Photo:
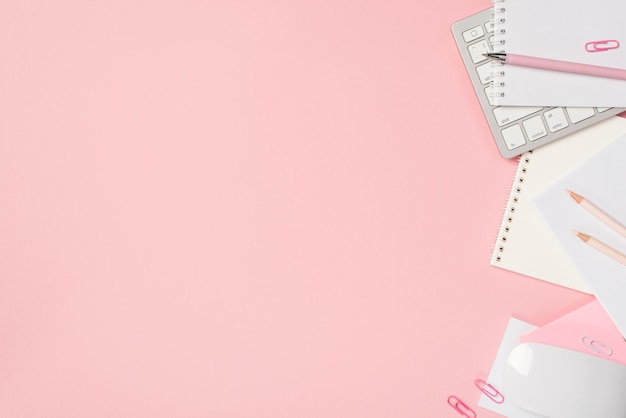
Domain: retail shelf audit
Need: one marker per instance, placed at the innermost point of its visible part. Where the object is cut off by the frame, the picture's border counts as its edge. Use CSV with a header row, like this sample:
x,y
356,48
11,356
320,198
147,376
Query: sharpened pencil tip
x,y
578,198
580,235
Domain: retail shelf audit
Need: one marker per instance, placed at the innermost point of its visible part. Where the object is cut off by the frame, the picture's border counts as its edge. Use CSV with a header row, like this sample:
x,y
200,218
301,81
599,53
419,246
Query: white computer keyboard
x,y
516,129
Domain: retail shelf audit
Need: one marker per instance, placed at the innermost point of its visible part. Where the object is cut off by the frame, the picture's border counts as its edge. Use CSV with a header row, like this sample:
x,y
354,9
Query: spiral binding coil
x,y
497,45
514,197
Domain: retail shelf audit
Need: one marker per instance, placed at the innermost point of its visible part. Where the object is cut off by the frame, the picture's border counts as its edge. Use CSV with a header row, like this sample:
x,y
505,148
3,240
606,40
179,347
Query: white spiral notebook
x,y
525,244
565,30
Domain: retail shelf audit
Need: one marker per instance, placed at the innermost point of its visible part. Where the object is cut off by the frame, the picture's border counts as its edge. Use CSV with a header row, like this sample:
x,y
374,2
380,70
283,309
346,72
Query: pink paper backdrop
x,y
247,209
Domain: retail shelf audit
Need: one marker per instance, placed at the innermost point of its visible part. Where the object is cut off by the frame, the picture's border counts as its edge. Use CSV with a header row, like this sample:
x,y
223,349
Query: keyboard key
x,y
473,34
535,128
513,137
576,114
490,26
603,109
556,119
485,73
489,93
477,50
507,114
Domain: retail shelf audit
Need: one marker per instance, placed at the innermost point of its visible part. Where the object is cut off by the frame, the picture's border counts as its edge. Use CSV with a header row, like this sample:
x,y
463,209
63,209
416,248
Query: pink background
x,y
247,209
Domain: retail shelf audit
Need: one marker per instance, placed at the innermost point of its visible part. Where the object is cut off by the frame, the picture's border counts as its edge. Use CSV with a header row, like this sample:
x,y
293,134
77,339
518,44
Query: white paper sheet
x,y
602,180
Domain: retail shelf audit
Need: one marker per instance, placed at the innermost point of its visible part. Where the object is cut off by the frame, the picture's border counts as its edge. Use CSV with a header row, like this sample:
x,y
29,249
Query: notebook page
x,y
559,29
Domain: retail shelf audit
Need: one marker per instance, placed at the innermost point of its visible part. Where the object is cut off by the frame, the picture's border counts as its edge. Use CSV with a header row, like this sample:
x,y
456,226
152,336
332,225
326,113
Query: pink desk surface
x,y
247,209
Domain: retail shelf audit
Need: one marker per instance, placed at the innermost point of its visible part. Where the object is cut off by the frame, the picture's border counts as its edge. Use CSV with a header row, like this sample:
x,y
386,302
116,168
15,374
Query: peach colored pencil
x,y
602,247
598,213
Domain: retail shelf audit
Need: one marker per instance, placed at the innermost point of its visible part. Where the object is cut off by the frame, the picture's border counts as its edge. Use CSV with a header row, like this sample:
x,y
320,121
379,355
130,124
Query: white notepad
x,y
559,29
602,180
511,338
525,244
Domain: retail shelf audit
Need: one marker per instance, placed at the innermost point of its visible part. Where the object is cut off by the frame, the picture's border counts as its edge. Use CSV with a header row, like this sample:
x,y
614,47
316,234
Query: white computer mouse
x,y
560,383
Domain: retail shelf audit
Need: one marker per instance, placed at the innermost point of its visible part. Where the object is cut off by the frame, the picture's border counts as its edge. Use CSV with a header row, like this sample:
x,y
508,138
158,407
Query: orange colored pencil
x,y
602,247
598,213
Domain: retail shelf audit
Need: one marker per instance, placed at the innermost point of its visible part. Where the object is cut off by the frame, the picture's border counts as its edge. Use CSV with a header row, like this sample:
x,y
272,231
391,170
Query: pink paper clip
x,y
597,46
461,407
597,346
491,392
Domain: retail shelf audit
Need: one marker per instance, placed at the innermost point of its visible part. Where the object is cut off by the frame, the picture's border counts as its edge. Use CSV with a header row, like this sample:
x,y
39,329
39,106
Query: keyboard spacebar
x,y
507,114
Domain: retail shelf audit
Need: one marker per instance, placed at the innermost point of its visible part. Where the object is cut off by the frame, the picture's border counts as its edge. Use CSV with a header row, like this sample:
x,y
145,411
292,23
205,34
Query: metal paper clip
x,y
597,346
597,46
461,407
491,392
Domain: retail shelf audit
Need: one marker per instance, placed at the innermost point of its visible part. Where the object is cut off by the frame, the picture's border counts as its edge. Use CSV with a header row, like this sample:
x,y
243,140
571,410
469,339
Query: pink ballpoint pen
x,y
554,65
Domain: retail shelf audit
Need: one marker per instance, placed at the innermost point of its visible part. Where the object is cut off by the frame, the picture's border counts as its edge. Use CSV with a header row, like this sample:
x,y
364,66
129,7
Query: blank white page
x,y
602,180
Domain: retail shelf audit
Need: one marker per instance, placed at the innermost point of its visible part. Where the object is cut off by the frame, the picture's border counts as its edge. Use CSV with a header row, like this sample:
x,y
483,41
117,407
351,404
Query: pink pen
x,y
554,65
